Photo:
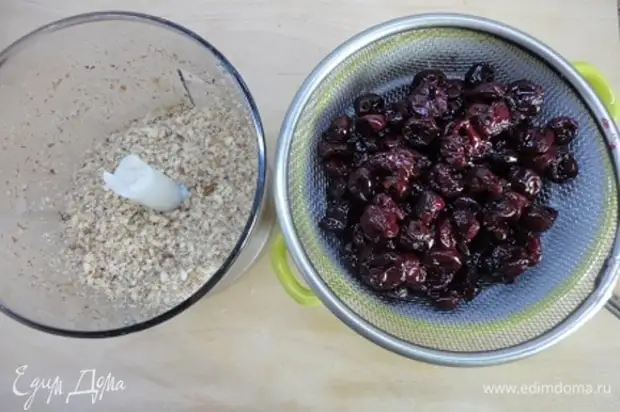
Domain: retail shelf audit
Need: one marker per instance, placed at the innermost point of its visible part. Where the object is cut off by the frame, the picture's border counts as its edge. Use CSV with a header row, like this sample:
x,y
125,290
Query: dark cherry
x,y
357,236
496,120
420,132
349,252
540,163
487,92
564,128
336,168
514,264
428,206
463,145
416,189
479,73
466,203
466,281
533,246
370,124
414,272
482,180
526,97
361,184
445,180
534,140
492,259
331,224
508,208
502,155
401,293
466,224
563,168
445,233
470,291
415,236
525,181
448,300
477,109
476,146
427,100
389,270
437,281
406,206
370,103
406,163
517,201
538,218
496,226
359,159
430,77
367,144
379,223
337,188
336,216
443,260
396,186
456,100
396,115
454,149
392,141
384,259
328,150
455,88
387,203
338,209
455,107
384,278
387,244
339,130
366,255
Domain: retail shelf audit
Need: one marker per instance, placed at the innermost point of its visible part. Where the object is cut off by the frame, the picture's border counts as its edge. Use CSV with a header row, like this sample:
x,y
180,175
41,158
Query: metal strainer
x,y
506,322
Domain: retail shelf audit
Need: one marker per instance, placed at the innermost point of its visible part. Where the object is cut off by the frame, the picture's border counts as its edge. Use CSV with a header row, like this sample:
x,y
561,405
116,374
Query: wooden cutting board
x,y
251,348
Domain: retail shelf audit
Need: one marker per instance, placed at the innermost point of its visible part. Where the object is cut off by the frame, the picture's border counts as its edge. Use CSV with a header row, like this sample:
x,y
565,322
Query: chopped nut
x,y
152,260
209,188
183,275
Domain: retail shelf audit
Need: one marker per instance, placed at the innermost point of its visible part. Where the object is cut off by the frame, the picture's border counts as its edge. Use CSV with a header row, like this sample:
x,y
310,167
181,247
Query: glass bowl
x,y
64,89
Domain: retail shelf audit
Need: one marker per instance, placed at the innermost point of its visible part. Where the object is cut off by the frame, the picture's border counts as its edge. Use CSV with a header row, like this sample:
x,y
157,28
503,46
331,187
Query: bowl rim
x,y
259,194
608,275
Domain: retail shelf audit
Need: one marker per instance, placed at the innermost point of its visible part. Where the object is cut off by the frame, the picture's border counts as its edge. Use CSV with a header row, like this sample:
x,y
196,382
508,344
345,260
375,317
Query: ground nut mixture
x,y
153,259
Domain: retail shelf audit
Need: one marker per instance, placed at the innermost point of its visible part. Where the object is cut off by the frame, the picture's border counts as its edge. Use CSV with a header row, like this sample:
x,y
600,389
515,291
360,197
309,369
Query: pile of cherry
x,y
436,195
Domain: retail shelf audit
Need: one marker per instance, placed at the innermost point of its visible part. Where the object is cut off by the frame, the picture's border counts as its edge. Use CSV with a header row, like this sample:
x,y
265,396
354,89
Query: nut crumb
x,y
154,260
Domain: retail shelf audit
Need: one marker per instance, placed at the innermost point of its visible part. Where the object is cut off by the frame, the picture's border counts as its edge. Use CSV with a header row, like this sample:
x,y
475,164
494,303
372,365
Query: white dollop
x,y
135,180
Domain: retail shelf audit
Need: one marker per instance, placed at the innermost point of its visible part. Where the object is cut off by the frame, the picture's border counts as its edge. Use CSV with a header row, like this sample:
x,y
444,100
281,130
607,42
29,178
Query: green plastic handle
x,y
601,86
301,294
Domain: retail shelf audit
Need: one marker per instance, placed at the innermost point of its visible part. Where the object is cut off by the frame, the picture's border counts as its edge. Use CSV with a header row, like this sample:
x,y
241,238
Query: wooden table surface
x,y
251,348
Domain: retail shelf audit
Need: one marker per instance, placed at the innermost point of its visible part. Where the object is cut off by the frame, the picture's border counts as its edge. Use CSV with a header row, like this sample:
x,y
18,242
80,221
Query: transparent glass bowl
x,y
63,87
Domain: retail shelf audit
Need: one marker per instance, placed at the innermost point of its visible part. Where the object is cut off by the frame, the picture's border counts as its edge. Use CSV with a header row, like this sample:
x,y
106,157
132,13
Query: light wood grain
x,y
250,348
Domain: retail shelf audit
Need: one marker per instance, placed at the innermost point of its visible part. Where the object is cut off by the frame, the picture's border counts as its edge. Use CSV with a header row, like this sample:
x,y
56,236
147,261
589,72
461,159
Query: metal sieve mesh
x,y
575,250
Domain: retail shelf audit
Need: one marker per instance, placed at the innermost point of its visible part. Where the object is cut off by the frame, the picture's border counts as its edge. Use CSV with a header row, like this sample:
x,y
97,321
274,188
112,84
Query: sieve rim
x,y
260,191
608,274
